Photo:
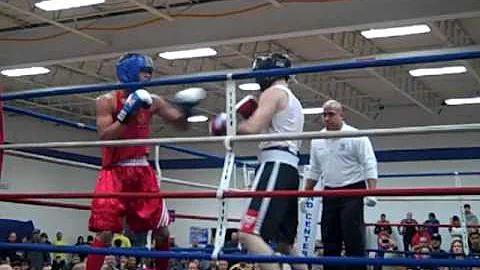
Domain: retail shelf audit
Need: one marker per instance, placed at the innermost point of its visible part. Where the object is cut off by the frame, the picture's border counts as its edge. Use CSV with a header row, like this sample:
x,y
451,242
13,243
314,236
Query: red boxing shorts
x,y
142,214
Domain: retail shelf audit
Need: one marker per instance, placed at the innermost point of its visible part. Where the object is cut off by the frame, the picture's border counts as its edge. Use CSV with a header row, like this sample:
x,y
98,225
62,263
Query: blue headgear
x,y
270,61
130,66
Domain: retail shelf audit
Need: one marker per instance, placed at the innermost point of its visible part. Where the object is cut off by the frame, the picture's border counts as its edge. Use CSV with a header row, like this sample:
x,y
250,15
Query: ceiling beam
x,y
354,44
453,34
52,22
317,18
50,102
275,3
152,10
102,78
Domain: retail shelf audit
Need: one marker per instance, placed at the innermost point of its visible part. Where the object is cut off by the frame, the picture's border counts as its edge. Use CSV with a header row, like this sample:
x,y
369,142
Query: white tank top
x,y
289,120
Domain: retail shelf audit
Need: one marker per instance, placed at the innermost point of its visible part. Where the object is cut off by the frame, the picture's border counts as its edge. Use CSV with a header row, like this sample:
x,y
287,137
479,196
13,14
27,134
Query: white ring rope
x,y
257,137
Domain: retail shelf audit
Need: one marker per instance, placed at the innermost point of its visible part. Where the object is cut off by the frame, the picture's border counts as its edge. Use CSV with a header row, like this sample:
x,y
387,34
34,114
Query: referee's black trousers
x,y
343,222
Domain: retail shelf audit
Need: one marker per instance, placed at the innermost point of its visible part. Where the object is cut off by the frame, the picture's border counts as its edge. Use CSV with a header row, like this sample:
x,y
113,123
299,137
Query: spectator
x,y
80,241
432,220
11,255
89,240
37,259
59,242
474,243
383,225
385,243
422,242
110,263
437,251
470,217
117,243
456,230
422,232
193,265
234,242
223,265
76,259
212,265
44,240
125,241
421,254
456,249
59,263
122,265
407,229
132,263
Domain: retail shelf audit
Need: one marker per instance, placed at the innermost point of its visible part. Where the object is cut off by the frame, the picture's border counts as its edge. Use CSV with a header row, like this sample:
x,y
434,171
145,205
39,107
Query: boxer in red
x,y
127,114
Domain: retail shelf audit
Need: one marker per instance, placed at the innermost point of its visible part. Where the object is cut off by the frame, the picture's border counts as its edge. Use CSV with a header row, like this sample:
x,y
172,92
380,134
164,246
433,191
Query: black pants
x,y
343,222
274,219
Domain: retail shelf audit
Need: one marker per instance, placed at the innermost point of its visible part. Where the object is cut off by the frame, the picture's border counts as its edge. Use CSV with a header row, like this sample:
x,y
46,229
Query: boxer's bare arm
x,y
107,127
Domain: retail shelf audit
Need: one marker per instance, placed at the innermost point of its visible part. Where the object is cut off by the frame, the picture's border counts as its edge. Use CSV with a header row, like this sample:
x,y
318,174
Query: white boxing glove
x,y
189,98
370,201
145,96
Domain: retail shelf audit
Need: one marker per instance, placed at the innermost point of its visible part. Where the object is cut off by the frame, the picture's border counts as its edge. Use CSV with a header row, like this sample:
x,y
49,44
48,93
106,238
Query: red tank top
x,y
138,127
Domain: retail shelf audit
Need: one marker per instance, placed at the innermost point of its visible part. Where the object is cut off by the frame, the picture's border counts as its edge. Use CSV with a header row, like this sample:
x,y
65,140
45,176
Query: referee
x,y
342,163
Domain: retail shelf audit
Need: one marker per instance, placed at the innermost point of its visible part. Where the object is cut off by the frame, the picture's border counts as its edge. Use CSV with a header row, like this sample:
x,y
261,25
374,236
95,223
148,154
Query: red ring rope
x,y
426,191
51,204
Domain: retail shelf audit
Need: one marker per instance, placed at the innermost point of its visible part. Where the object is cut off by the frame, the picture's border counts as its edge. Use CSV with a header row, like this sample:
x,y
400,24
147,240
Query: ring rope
x,y
426,191
394,59
347,261
211,218
255,137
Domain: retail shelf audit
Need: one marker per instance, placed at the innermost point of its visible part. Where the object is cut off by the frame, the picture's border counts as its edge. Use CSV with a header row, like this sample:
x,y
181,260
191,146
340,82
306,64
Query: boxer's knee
x,y
242,237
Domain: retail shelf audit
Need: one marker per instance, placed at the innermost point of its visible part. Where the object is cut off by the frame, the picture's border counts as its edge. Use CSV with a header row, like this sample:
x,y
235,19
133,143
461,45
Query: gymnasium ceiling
x,y
80,46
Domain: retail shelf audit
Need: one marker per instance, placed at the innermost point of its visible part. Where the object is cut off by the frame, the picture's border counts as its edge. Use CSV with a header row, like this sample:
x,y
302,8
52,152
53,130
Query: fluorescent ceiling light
x,y
18,72
462,101
249,86
396,31
51,5
318,110
197,119
437,71
202,52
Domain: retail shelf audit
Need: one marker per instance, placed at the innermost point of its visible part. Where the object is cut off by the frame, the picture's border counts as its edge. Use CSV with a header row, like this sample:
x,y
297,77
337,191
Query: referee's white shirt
x,y
342,161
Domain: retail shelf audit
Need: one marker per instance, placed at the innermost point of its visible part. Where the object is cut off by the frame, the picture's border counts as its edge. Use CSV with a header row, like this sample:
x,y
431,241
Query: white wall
x,y
25,175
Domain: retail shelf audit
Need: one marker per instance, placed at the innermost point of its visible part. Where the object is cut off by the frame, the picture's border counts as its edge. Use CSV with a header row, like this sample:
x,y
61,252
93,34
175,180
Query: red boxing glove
x,y
247,106
218,125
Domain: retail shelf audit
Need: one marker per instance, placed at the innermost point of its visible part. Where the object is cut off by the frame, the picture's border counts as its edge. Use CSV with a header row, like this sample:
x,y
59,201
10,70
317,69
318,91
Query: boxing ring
x,y
224,192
